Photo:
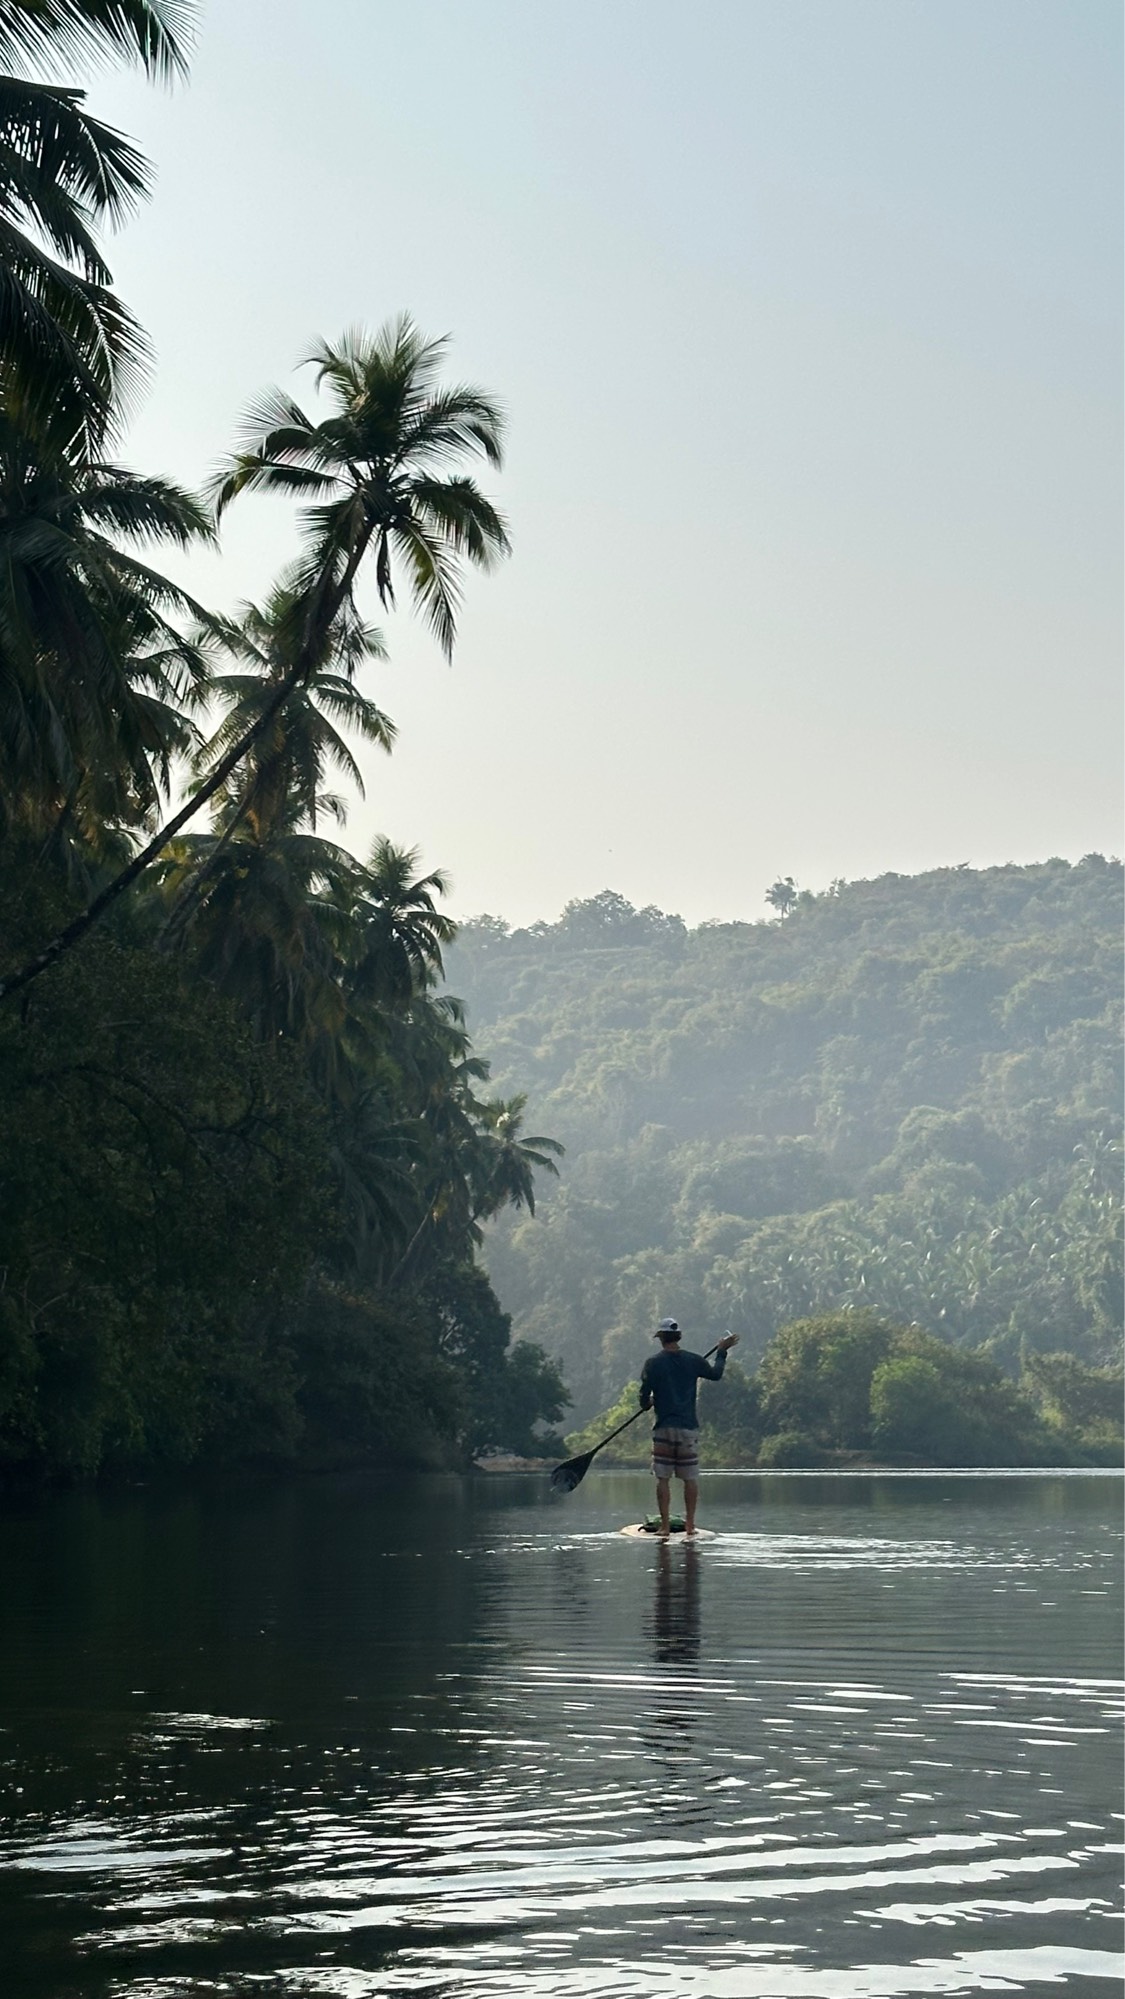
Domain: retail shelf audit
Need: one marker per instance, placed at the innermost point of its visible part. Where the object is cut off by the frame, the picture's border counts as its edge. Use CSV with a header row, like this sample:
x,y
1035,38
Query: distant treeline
x,y
902,1094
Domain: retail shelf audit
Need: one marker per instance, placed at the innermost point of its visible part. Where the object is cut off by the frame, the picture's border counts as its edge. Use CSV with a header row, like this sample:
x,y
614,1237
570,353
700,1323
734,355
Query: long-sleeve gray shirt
x,y
668,1381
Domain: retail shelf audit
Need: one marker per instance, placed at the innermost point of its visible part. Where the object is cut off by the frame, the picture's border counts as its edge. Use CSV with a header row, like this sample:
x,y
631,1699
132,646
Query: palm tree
x,y
291,755
437,1070
267,930
95,676
375,474
783,895
283,773
373,1149
477,1158
510,1158
396,927
154,33
69,350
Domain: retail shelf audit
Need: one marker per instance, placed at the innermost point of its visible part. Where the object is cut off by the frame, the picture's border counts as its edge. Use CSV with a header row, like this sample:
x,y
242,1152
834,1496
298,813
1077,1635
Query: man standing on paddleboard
x,y
668,1382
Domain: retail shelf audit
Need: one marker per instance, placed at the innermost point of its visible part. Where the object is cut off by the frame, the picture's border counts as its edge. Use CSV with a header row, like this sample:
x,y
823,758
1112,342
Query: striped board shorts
x,y
675,1451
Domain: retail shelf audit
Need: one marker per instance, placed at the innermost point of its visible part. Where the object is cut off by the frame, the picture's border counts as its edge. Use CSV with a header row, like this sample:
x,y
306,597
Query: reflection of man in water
x,y
668,1381
671,1712
676,1626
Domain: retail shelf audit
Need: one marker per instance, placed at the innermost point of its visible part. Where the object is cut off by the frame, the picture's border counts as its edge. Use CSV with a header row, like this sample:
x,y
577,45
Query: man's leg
x,y
691,1500
663,1459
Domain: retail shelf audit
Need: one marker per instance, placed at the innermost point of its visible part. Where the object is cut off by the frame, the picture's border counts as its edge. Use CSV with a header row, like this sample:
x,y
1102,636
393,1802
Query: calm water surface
x,y
864,1742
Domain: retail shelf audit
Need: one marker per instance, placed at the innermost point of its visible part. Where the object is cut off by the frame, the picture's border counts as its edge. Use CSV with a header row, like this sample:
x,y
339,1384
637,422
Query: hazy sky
x,y
806,316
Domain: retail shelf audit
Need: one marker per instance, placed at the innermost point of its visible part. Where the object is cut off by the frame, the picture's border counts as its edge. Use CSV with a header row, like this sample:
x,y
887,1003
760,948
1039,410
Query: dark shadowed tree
x,y
70,352
95,674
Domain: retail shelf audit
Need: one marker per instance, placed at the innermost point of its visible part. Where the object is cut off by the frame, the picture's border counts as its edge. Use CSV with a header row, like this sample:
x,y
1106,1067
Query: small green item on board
x,y
676,1524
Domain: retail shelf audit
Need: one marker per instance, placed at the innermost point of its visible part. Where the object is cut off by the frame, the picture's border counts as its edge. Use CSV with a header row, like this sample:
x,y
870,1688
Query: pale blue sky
x,y
807,317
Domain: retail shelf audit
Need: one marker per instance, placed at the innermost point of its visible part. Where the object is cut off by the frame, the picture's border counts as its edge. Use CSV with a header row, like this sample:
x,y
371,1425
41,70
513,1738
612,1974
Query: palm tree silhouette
x,y
782,895
375,475
70,351
96,680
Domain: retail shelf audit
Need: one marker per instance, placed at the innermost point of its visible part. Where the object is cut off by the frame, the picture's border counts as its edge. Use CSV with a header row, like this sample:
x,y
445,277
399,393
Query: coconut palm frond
x,y
45,33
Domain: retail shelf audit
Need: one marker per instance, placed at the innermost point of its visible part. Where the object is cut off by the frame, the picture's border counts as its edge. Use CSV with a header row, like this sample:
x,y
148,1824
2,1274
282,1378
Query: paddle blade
x,y
565,1477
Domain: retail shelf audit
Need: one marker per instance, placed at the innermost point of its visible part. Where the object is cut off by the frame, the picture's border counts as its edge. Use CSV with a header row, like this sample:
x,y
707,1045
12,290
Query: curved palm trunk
x,y
324,610
403,1266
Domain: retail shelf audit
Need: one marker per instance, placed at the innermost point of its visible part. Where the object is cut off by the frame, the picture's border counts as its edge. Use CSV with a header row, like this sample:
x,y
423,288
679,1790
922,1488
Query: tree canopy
x,y
903,1094
246,1151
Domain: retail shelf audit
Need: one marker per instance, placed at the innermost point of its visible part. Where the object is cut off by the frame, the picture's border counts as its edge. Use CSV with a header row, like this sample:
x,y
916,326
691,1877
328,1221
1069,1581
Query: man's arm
x,y
713,1370
646,1386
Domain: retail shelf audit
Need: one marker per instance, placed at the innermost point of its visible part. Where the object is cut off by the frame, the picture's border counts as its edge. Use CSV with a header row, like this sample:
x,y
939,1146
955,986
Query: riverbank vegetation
x,y
849,1388
901,1095
246,1147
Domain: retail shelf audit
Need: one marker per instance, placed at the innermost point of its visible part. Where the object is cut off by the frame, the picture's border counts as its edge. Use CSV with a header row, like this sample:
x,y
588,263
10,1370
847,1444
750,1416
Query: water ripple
x,y
763,1769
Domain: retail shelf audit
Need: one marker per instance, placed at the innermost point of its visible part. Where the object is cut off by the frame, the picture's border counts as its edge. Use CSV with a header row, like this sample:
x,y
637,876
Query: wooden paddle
x,y
565,1477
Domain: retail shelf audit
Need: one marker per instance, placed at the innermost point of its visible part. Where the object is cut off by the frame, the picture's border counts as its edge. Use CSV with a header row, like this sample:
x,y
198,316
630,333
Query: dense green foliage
x,y
245,1156
902,1094
205,1227
850,1386
148,1148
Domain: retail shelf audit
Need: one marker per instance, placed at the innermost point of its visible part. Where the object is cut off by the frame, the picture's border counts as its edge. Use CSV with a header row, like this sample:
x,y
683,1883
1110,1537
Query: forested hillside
x,y
902,1093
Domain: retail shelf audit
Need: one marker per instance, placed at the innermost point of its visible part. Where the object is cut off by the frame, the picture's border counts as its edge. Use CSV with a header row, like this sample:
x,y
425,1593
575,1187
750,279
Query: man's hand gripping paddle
x,y
565,1477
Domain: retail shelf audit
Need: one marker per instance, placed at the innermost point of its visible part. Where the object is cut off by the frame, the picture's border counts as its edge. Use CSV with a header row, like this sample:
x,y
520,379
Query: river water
x,y
460,1738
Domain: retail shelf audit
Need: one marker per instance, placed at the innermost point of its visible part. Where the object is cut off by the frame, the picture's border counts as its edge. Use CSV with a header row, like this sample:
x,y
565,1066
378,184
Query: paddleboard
x,y
641,1532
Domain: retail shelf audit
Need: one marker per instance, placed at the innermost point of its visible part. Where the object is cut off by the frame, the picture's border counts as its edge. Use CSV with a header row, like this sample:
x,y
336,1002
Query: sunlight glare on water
x,y
863,1742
